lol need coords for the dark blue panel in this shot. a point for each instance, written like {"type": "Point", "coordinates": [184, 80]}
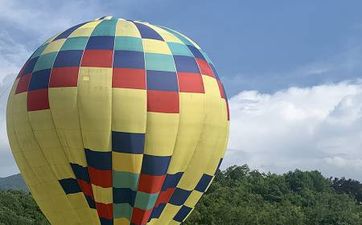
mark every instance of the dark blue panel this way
{"type": "Point", "coordinates": [171, 180]}
{"type": "Point", "coordinates": [124, 195]}
{"type": "Point", "coordinates": [68, 58]}
{"type": "Point", "coordinates": [128, 142]}
{"type": "Point", "coordinates": [203, 183]}
{"type": "Point", "coordinates": [70, 186]}
{"type": "Point", "coordinates": [66, 33]}
{"type": "Point", "coordinates": [156, 212]}
{"type": "Point", "coordinates": [180, 196]}
{"type": "Point", "coordinates": [148, 32]}
{"type": "Point", "coordinates": [39, 80]}
{"type": "Point", "coordinates": [162, 80]}
{"type": "Point", "coordinates": [29, 65]}
{"type": "Point", "coordinates": [100, 42]}
{"type": "Point", "coordinates": [99, 160]}
{"type": "Point", "coordinates": [80, 172]}
{"type": "Point", "coordinates": [91, 202]}
{"type": "Point", "coordinates": [128, 59]}
{"type": "Point", "coordinates": [105, 221]}
{"type": "Point", "coordinates": [155, 165]}
{"type": "Point", "coordinates": [186, 64]}
{"type": "Point", "coordinates": [182, 214]}
{"type": "Point", "coordinates": [196, 52]}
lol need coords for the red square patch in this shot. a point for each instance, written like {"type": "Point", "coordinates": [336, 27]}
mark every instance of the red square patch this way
{"type": "Point", "coordinates": [128, 78]}
{"type": "Point", "coordinates": [102, 178]}
{"type": "Point", "coordinates": [38, 99]}
{"type": "Point", "coordinates": [64, 77]}
{"type": "Point", "coordinates": [97, 58]}
{"type": "Point", "coordinates": [150, 184]}
{"type": "Point", "coordinates": [165, 196]}
{"type": "Point", "coordinates": [162, 101]}
{"type": "Point", "coordinates": [105, 210]}
{"type": "Point", "coordinates": [205, 67]}
{"type": "Point", "coordinates": [86, 188]}
{"type": "Point", "coordinates": [23, 83]}
{"type": "Point", "coordinates": [190, 82]}
{"type": "Point", "coordinates": [140, 217]}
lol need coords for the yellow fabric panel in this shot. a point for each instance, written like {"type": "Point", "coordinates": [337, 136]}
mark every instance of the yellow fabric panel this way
{"type": "Point", "coordinates": [94, 104]}
{"type": "Point", "coordinates": [129, 110]}
{"type": "Point", "coordinates": [35, 168]}
{"type": "Point", "coordinates": [167, 36]}
{"type": "Point", "coordinates": [156, 46]}
{"type": "Point", "coordinates": [127, 162]}
{"type": "Point", "coordinates": [193, 199]}
{"type": "Point", "coordinates": [121, 221]}
{"type": "Point", "coordinates": [85, 30]}
{"type": "Point", "coordinates": [173, 222]}
{"type": "Point", "coordinates": [102, 195]}
{"type": "Point", "coordinates": [81, 208]}
{"type": "Point", "coordinates": [161, 133]}
{"type": "Point", "coordinates": [47, 138]}
{"type": "Point", "coordinates": [167, 215]}
{"type": "Point", "coordinates": [206, 150]}
{"type": "Point", "coordinates": [191, 113]}
{"type": "Point", "coordinates": [127, 28]}
{"type": "Point", "coordinates": [63, 104]}
{"type": "Point", "coordinates": [53, 46]}
{"type": "Point", "coordinates": [207, 146]}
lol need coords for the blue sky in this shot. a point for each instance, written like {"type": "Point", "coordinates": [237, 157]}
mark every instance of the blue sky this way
{"type": "Point", "coordinates": [302, 58]}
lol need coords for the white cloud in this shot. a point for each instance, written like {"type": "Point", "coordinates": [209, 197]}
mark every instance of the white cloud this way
{"type": "Point", "coordinates": [309, 128]}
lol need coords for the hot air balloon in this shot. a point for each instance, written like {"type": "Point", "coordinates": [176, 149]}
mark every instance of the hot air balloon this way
{"type": "Point", "coordinates": [116, 122]}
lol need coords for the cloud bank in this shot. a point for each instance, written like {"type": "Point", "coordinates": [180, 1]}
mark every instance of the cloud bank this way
{"type": "Point", "coordinates": [319, 127]}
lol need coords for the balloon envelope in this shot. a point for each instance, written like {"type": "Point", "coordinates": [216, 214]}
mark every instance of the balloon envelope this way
{"type": "Point", "coordinates": [118, 122]}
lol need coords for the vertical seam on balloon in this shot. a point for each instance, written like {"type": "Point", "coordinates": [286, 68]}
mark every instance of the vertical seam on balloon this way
{"type": "Point", "coordinates": [146, 96]}
{"type": "Point", "coordinates": [12, 95]}
{"type": "Point", "coordinates": [52, 121]}
{"type": "Point", "coordinates": [179, 117]}
{"type": "Point", "coordinates": [80, 123]}
{"type": "Point", "coordinates": [179, 114]}
{"type": "Point", "coordinates": [204, 116]}
{"type": "Point", "coordinates": [111, 105]}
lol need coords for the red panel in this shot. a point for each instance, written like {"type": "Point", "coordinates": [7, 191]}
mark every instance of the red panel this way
{"type": "Point", "coordinates": [228, 110]}
{"type": "Point", "coordinates": [64, 77]}
{"type": "Point", "coordinates": [86, 188]}
{"type": "Point", "coordinates": [97, 58]}
{"type": "Point", "coordinates": [150, 184]}
{"type": "Point", "coordinates": [140, 217]}
{"type": "Point", "coordinates": [129, 78]}
{"type": "Point", "coordinates": [221, 88]}
{"type": "Point", "coordinates": [105, 210]}
{"type": "Point", "coordinates": [165, 196]}
{"type": "Point", "coordinates": [190, 82]}
{"type": "Point", "coordinates": [38, 99]}
{"type": "Point", "coordinates": [102, 178]}
{"type": "Point", "coordinates": [162, 101]}
{"type": "Point", "coordinates": [205, 67]}
{"type": "Point", "coordinates": [23, 83]}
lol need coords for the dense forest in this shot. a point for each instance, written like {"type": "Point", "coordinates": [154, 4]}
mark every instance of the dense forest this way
{"type": "Point", "coordinates": [240, 196]}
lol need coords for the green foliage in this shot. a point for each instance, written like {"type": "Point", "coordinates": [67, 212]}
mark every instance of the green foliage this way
{"type": "Point", "coordinates": [18, 208]}
{"type": "Point", "coordinates": [239, 196]}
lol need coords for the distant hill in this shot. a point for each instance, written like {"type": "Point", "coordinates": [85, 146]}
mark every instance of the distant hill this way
{"type": "Point", "coordinates": [14, 182]}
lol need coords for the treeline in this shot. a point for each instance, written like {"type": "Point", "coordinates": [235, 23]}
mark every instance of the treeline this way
{"type": "Point", "coordinates": [19, 208]}
{"type": "Point", "coordinates": [240, 196]}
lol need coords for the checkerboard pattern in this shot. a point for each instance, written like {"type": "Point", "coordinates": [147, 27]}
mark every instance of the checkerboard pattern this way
{"type": "Point", "coordinates": [129, 120]}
